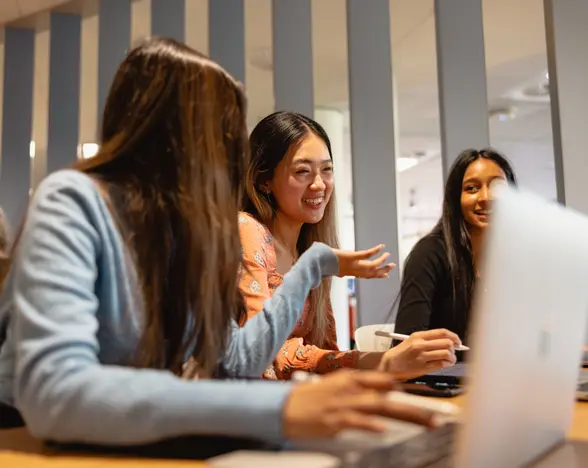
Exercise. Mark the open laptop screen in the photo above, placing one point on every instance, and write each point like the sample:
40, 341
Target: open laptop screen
459, 370
451, 377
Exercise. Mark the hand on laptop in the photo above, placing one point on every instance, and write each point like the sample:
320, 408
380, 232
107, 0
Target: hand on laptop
421, 353
346, 399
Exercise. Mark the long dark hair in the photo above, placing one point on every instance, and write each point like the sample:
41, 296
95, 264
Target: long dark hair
172, 159
452, 227
274, 137
4, 236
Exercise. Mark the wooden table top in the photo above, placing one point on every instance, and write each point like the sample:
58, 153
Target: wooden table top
19, 449
578, 430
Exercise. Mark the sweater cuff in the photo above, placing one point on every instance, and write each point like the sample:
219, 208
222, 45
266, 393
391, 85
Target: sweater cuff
274, 396
328, 259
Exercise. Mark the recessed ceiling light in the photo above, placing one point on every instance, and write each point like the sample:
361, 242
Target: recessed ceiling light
540, 90
536, 90
503, 114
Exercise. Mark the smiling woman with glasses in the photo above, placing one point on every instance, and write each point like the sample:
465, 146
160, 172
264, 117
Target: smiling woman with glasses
441, 270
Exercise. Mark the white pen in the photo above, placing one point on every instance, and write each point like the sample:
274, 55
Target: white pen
401, 337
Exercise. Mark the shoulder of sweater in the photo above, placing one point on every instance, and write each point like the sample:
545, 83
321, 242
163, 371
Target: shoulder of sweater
71, 197
70, 182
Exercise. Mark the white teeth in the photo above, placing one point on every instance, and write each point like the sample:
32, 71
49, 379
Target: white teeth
313, 201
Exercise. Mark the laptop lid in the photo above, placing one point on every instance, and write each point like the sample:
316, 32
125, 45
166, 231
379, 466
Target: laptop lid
528, 331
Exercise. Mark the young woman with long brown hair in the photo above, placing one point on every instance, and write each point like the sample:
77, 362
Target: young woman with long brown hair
288, 205
128, 265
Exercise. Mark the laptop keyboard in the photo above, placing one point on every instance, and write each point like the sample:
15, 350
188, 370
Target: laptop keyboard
430, 449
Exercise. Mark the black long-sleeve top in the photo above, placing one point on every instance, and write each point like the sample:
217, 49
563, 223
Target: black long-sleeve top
426, 294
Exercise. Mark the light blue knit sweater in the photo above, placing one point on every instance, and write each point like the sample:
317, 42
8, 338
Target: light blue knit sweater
70, 323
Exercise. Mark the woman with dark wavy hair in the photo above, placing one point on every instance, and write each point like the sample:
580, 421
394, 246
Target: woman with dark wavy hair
440, 272
128, 265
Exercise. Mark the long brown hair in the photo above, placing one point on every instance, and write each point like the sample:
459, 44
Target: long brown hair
173, 155
274, 137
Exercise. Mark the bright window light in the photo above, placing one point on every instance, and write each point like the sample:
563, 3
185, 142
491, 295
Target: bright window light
87, 150
402, 164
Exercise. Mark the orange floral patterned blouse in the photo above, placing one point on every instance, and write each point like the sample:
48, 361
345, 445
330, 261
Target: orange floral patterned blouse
258, 282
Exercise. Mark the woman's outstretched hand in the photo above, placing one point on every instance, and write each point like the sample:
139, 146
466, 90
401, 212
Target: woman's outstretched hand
358, 263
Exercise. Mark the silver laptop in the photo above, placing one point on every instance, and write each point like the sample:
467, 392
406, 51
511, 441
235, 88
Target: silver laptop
530, 317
